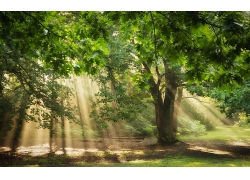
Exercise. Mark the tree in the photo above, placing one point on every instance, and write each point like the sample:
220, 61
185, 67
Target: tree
172, 48
28, 91
233, 102
64, 42
38, 47
32, 94
119, 97
205, 46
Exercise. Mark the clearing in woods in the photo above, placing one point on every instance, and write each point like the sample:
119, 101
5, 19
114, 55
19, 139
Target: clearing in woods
225, 147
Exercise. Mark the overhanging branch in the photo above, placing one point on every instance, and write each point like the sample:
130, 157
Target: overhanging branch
41, 24
195, 99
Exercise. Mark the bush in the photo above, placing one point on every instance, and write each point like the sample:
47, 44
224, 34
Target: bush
194, 113
143, 124
190, 126
148, 131
244, 123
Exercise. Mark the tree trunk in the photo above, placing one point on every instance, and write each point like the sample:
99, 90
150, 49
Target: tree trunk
63, 135
2, 111
164, 109
51, 135
165, 118
19, 123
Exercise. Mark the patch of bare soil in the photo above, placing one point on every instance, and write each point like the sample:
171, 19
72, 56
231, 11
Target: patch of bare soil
117, 150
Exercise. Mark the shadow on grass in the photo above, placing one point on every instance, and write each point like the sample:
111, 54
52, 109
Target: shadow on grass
178, 155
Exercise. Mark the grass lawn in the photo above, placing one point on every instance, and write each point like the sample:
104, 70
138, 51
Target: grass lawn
224, 133
224, 147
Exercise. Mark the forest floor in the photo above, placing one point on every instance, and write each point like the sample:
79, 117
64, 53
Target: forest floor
136, 152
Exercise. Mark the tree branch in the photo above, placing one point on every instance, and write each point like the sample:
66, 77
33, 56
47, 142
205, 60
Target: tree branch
146, 67
41, 24
154, 34
158, 75
195, 99
177, 27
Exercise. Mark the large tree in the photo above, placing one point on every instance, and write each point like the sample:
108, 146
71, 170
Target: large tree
204, 46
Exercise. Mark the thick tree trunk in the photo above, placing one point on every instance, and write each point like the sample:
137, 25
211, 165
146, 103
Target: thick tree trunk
165, 118
164, 105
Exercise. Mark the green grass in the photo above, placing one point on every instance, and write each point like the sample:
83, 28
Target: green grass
44, 161
223, 133
177, 156
178, 160
175, 161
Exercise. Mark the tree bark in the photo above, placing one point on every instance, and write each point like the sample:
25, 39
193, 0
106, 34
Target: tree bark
1, 99
165, 117
19, 123
164, 109
51, 135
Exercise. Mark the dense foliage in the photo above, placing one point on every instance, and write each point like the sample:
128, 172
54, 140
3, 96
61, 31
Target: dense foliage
161, 51
29, 89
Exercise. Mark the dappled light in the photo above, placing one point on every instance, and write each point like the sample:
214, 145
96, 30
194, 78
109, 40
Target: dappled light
237, 143
208, 150
153, 88
205, 107
36, 141
114, 145
32, 135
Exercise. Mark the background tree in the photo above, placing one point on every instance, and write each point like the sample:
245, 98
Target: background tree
28, 91
234, 101
119, 97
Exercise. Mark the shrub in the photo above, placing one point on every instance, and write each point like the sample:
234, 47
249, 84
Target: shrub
194, 113
190, 126
244, 121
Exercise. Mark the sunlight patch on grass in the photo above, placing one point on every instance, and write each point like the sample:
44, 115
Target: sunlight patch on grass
222, 133
37, 150
59, 152
92, 150
159, 150
2, 149
194, 164
138, 161
236, 143
121, 152
138, 152
32, 165
208, 150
